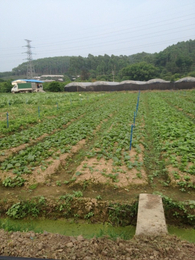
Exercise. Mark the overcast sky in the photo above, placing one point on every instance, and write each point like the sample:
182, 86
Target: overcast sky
82, 27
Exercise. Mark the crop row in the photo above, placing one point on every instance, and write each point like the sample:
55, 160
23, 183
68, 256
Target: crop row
183, 101
21, 114
114, 142
175, 135
110, 159
47, 125
27, 159
43, 98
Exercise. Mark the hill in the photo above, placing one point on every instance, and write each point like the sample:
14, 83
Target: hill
174, 62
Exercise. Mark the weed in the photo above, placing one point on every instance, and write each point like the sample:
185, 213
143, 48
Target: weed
85, 165
22, 209
67, 197
89, 215
113, 177
58, 183
176, 214
122, 215
176, 176
70, 181
98, 197
186, 178
7, 225
85, 184
191, 217
41, 200
139, 175
78, 194
180, 211
78, 173
76, 216
150, 177
166, 183
67, 205
33, 186
43, 168
91, 169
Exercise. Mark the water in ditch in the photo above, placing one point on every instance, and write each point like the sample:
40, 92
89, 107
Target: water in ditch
87, 230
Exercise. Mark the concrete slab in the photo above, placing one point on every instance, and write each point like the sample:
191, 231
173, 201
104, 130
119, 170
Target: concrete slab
150, 218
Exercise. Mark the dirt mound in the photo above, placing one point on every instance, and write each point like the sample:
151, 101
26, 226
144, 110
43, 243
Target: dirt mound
56, 246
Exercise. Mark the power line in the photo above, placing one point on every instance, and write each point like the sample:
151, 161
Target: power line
123, 31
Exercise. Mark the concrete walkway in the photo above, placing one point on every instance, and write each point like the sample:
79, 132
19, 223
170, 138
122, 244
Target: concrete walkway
150, 218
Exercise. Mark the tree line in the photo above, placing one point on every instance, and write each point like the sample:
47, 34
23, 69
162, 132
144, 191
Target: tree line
174, 62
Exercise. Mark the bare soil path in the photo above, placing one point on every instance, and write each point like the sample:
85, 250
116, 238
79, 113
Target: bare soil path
55, 246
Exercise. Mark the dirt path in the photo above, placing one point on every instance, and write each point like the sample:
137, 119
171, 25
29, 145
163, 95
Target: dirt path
56, 246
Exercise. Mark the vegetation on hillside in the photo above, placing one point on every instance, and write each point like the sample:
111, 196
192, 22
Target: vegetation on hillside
174, 62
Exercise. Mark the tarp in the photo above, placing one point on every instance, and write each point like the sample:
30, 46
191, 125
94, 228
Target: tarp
186, 79
157, 81
109, 83
27, 80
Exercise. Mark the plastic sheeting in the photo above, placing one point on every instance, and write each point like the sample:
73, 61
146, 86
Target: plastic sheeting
108, 83
186, 79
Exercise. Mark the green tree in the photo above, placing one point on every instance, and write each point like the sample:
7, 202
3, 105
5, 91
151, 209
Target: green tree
92, 75
5, 87
139, 71
84, 74
191, 74
184, 63
53, 87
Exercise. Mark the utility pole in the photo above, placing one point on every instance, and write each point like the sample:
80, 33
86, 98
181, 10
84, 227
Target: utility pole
113, 75
30, 67
113, 72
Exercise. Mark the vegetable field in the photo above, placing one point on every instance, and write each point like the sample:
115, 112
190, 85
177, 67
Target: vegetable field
54, 144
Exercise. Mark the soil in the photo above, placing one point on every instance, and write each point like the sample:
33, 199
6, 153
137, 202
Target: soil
103, 171
55, 246
39, 175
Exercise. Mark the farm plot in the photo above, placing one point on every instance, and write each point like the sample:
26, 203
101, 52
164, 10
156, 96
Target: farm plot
80, 139
59, 142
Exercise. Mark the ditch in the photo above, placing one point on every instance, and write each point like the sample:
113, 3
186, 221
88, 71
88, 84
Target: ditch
87, 230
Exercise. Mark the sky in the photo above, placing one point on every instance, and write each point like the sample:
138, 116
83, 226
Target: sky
82, 27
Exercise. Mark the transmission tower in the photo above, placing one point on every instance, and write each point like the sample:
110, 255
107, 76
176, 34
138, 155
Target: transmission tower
30, 67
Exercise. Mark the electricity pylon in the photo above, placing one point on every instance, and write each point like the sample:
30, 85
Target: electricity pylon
30, 67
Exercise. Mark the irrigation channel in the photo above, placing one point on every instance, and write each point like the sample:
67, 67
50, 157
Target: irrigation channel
77, 157
86, 229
